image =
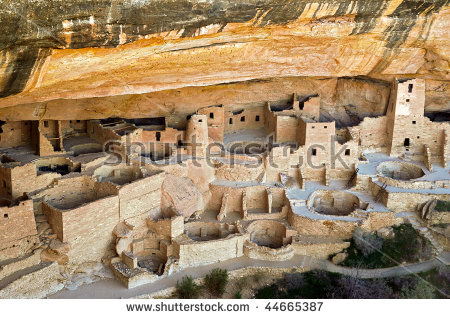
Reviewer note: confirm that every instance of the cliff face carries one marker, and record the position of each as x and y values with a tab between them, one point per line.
79	49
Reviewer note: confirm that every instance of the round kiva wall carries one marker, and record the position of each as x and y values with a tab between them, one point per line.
400	170
331	202
267	233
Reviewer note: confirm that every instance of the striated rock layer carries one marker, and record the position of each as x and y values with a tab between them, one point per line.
95	50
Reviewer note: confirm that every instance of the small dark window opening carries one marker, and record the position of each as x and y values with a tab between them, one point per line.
313	127
211	115
4	184
230	121
78	121
413	122
180	143
325	126
410	87
26	123
242	118
406	142
188	117
347	152
70	121
200	120
45	123
158	136
314	152
418	136
257	118
5	215
407	100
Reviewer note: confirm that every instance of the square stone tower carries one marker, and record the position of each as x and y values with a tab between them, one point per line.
405	117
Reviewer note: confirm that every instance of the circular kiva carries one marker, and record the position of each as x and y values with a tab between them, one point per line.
400	170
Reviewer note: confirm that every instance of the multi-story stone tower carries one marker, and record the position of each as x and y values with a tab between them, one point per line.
405	117
197	135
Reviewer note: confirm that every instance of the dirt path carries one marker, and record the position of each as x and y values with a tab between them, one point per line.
111	288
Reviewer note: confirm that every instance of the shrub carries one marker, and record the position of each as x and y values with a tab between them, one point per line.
258	276
242	282
423	290
216	281
293	280
367	243
442	206
238	295
407	246
187	288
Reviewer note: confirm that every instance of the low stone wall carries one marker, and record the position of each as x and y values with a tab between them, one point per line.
333	229
318	250
254	251
194	253
405	201
132	278
377	220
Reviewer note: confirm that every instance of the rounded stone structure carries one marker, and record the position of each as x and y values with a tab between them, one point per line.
400	170
268	233
333	202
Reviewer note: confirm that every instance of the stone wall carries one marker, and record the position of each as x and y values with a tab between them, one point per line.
193	253
16	223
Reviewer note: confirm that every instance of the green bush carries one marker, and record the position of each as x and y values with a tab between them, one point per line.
187	288
370	251
238	295
442	206
319	284
422	290
216	281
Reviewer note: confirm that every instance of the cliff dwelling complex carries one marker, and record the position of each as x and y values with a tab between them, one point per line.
145	147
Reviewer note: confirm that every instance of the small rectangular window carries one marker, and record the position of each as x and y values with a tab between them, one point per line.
410	87
413	122
313	126
211	115
347	152
407	100
78	121
242	118
230	121
45	123
200	120
5	215
314	152
325	126
158	136
257	118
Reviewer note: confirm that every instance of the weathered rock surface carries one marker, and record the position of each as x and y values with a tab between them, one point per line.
54	49
180	197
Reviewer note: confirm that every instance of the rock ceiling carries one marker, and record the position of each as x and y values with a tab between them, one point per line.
55	51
